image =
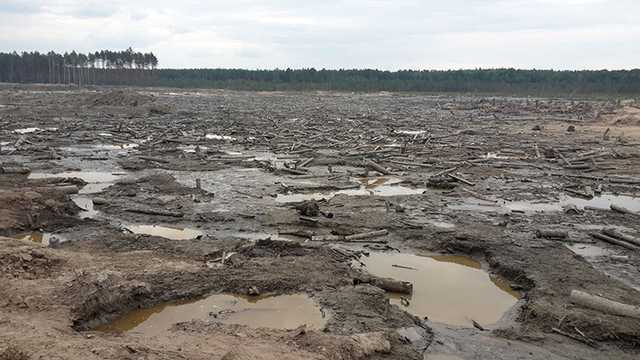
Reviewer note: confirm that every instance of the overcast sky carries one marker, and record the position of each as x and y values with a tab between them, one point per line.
384	34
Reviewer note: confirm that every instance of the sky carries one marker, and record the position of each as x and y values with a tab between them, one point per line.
333	34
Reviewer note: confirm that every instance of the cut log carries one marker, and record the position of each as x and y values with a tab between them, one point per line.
552	234
386	284
155	212
621	209
604	305
14	170
155	159
614	241
367	235
618	235
458	178
377	167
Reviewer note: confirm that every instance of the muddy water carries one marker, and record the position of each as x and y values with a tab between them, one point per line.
37	237
589	251
380	186
165	232
97	180
278	312
86	204
447	289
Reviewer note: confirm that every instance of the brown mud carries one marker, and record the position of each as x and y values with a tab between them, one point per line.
115	204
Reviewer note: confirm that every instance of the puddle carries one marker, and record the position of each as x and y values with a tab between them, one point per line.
39	238
219	137
97	180
587	251
86	204
447	289
32	130
381	186
599	202
165	232
277	312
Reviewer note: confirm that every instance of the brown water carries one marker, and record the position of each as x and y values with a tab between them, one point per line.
36	237
277	312
165	232
447	289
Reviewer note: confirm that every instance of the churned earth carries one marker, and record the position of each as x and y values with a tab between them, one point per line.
170	224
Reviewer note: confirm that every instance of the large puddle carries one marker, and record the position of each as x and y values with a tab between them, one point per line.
165	232
599	202
276	312
97	181
380	186
447	289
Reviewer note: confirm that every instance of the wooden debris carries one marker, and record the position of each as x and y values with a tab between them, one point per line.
614	241
604	305
621	209
155	212
14	170
367	235
459	178
377	167
624	237
552	234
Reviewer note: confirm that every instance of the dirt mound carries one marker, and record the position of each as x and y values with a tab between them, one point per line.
625	116
119	98
25	262
33	209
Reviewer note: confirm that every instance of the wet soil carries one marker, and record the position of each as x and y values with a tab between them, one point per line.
186	196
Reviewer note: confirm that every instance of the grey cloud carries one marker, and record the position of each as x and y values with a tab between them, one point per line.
341	33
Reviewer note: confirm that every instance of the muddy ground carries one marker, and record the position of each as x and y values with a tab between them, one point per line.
258	179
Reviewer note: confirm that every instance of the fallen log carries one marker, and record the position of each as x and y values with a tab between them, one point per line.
155	159
620	209
392	285
614	241
155	212
14	170
604	305
552	234
387	284
366	235
377	167
624	237
458	178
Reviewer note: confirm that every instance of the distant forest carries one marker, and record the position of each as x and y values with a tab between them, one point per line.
140	69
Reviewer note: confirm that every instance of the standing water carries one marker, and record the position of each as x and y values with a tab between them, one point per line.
448	289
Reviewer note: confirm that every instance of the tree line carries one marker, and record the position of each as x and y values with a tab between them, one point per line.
125	67
501	81
128	67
